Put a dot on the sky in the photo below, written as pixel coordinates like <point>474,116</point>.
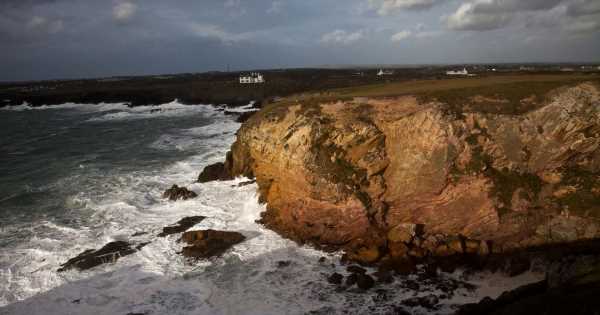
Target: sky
<point>47,39</point>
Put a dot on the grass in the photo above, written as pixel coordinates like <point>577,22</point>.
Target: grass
<point>500,94</point>
<point>583,201</point>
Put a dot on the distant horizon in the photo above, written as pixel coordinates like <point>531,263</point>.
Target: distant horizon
<point>325,66</point>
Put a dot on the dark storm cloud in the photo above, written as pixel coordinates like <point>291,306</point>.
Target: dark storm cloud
<point>84,38</point>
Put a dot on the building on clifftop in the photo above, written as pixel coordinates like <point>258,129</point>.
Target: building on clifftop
<point>458,72</point>
<point>252,78</point>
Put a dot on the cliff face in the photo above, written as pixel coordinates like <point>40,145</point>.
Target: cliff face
<point>405,177</point>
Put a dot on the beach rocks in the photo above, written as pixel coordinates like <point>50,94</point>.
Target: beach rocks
<point>181,225</point>
<point>175,193</point>
<point>109,253</point>
<point>208,243</point>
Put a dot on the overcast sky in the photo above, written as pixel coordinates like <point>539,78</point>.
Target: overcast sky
<point>43,39</point>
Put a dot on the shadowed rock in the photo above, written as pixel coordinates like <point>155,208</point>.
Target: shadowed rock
<point>208,243</point>
<point>175,193</point>
<point>110,253</point>
<point>215,171</point>
<point>364,281</point>
<point>245,116</point>
<point>335,278</point>
<point>181,225</point>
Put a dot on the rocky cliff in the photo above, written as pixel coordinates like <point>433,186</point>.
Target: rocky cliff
<point>410,176</point>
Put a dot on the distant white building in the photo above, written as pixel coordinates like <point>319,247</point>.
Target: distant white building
<point>458,72</point>
<point>382,72</point>
<point>252,78</point>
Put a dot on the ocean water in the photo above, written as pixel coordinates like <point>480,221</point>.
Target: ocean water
<point>77,176</point>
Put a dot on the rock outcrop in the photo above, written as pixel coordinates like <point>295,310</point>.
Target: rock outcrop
<point>405,177</point>
<point>109,253</point>
<point>175,193</point>
<point>217,171</point>
<point>181,225</point>
<point>208,243</point>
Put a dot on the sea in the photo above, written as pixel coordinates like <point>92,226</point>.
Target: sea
<point>78,176</point>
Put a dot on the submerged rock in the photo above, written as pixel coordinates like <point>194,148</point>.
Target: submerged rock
<point>181,225</point>
<point>175,193</point>
<point>208,243</point>
<point>109,253</point>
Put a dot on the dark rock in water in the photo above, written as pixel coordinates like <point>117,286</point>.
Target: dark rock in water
<point>400,311</point>
<point>488,305</point>
<point>574,270</point>
<point>246,183</point>
<point>517,266</point>
<point>351,279</point>
<point>208,243</point>
<point>181,225</point>
<point>572,286</point>
<point>322,259</point>
<point>355,269</point>
<point>431,270</point>
<point>428,302</point>
<point>335,278</point>
<point>283,263</point>
<point>404,267</point>
<point>384,276</point>
<point>110,253</point>
<point>381,296</point>
<point>364,281</point>
<point>216,171</point>
<point>175,193</point>
<point>138,234</point>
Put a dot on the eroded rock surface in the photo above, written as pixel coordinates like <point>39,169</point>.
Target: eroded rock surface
<point>401,177</point>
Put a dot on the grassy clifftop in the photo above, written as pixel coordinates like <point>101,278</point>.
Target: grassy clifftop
<point>501,94</point>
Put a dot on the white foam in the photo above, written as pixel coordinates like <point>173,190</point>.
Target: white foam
<point>172,109</point>
<point>79,106</point>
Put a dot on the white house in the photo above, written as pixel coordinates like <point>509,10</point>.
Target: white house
<point>252,78</point>
<point>458,72</point>
<point>382,72</point>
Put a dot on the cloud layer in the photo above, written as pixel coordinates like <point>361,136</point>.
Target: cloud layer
<point>77,38</point>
